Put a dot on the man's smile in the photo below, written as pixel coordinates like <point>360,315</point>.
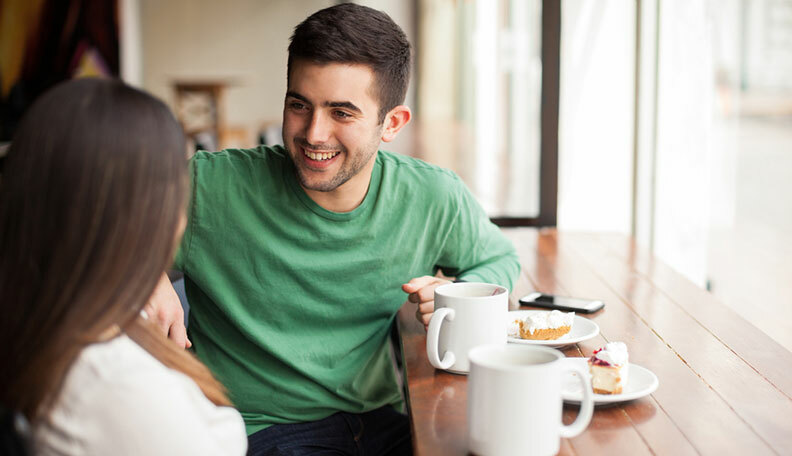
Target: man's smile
<point>317,158</point>
<point>320,156</point>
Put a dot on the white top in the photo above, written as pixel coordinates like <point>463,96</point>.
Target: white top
<point>118,399</point>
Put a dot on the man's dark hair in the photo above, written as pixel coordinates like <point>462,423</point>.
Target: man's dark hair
<point>350,33</point>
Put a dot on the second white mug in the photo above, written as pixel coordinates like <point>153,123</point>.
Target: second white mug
<point>514,400</point>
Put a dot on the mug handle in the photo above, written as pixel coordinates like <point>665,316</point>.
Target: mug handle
<point>433,336</point>
<point>586,405</point>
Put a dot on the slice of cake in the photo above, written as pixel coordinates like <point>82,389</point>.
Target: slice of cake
<point>513,329</point>
<point>609,368</point>
<point>546,325</point>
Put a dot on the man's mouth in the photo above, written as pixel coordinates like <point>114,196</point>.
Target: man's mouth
<point>320,156</point>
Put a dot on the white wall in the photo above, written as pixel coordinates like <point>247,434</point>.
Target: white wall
<point>130,43</point>
<point>242,40</point>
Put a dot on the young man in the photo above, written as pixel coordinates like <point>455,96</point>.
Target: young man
<point>297,258</point>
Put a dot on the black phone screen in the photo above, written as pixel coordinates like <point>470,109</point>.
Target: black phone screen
<point>562,303</point>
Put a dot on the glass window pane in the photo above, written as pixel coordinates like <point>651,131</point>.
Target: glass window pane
<point>750,247</point>
<point>596,117</point>
<point>480,98</point>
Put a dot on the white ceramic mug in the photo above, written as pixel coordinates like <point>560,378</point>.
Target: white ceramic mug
<point>466,314</point>
<point>514,400</point>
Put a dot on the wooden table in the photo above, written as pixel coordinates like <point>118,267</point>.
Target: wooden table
<point>725,386</point>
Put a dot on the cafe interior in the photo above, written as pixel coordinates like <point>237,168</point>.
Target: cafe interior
<point>636,152</point>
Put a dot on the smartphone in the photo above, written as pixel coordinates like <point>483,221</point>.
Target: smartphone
<point>562,303</point>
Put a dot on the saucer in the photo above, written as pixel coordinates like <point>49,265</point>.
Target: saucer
<point>582,329</point>
<point>640,382</point>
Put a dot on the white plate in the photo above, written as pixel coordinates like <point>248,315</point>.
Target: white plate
<point>640,382</point>
<point>582,329</point>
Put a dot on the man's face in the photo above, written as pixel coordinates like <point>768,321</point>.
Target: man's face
<point>330,124</point>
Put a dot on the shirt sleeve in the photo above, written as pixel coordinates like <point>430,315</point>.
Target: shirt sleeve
<point>475,249</point>
<point>158,415</point>
<point>182,253</point>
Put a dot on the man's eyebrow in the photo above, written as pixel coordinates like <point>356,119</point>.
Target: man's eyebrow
<point>297,96</point>
<point>330,104</point>
<point>343,104</point>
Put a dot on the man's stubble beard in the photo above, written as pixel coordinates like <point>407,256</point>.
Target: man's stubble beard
<point>348,170</point>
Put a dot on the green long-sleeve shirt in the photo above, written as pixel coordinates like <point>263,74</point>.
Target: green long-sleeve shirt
<point>291,304</point>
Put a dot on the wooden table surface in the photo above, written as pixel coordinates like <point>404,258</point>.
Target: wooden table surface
<point>725,386</point>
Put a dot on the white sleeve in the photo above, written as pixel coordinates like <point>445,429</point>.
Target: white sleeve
<point>162,414</point>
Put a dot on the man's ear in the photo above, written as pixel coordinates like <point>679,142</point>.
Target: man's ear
<point>395,119</point>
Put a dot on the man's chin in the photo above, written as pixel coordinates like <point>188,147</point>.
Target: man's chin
<point>317,185</point>
<point>324,188</point>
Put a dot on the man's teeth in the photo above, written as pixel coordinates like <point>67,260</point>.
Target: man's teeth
<point>321,156</point>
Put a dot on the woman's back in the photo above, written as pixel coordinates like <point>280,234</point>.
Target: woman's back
<point>117,399</point>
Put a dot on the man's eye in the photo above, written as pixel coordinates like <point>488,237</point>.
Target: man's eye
<point>296,105</point>
<point>342,114</point>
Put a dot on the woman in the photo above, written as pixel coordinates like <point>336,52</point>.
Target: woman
<point>92,205</point>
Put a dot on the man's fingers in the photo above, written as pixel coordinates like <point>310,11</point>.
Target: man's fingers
<point>426,307</point>
<point>178,334</point>
<point>171,322</point>
<point>421,289</point>
<point>162,317</point>
<point>425,318</point>
<point>173,326</point>
<point>165,310</point>
<point>417,283</point>
<point>426,293</point>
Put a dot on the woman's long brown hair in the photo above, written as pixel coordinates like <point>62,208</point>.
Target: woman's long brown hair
<point>91,197</point>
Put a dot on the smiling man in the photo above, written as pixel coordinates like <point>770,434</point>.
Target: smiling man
<point>297,258</point>
<point>332,127</point>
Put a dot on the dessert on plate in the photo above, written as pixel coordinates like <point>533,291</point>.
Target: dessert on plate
<point>546,325</point>
<point>609,368</point>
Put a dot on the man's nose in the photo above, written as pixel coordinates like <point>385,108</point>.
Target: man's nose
<point>319,127</point>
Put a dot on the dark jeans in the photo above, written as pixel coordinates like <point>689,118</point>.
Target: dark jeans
<point>379,432</point>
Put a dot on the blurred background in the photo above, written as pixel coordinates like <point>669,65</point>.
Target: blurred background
<point>670,120</point>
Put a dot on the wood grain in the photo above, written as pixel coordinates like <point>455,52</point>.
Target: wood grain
<point>745,390</point>
<point>724,388</point>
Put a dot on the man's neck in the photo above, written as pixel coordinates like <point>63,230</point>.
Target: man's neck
<point>348,195</point>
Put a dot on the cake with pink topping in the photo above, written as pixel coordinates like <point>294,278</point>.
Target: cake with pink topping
<point>609,368</point>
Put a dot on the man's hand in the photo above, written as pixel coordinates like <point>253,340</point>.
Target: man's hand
<point>164,308</point>
<point>421,291</point>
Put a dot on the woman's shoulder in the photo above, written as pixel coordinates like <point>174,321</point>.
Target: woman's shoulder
<point>119,360</point>
<point>118,397</point>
